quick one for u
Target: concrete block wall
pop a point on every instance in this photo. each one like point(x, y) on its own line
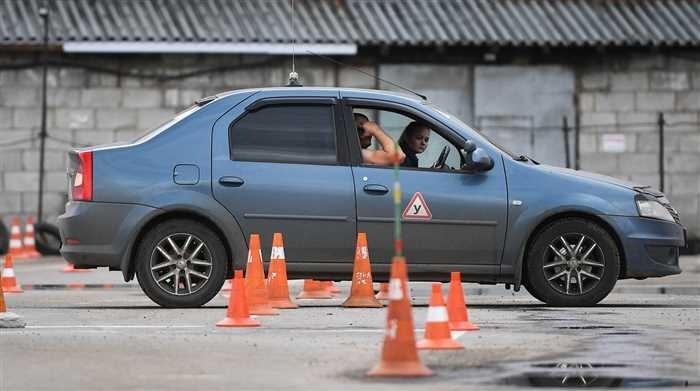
point(623, 96)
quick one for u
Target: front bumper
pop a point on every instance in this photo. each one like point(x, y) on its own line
point(650, 246)
point(99, 233)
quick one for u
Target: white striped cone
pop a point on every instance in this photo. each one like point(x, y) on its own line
point(437, 324)
point(8, 279)
point(15, 248)
point(29, 249)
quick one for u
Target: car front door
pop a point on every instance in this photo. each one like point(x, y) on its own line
point(281, 170)
point(451, 220)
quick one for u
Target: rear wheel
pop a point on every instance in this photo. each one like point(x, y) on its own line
point(181, 263)
point(572, 262)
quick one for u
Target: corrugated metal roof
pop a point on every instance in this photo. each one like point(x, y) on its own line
point(363, 22)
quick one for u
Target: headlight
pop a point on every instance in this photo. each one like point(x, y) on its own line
point(653, 209)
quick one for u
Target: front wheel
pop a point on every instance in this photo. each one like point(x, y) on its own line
point(572, 262)
point(181, 263)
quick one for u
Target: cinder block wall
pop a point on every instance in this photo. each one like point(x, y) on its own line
point(624, 95)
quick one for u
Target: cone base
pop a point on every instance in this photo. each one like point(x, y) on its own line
point(362, 302)
point(315, 295)
point(238, 322)
point(14, 289)
point(335, 289)
point(400, 369)
point(27, 255)
point(444, 343)
point(463, 326)
point(263, 310)
point(285, 304)
point(71, 269)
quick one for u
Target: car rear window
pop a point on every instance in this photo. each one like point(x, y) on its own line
point(285, 134)
point(167, 124)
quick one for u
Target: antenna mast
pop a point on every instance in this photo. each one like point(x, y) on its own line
point(293, 76)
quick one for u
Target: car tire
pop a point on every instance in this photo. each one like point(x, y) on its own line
point(4, 238)
point(154, 264)
point(572, 262)
point(47, 239)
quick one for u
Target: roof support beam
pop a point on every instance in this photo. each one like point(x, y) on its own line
point(347, 49)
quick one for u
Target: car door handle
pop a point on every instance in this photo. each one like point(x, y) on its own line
point(376, 189)
point(231, 181)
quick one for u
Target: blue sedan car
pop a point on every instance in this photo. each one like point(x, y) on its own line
point(176, 206)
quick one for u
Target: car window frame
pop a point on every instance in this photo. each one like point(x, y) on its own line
point(342, 151)
point(353, 142)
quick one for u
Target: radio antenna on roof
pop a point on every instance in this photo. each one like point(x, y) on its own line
point(369, 74)
point(293, 75)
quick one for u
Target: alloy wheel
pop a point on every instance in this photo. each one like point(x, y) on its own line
point(181, 264)
point(573, 264)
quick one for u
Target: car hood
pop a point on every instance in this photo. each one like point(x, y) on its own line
point(595, 177)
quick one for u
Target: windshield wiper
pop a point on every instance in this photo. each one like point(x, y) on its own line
point(525, 158)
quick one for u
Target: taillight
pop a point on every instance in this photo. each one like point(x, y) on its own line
point(82, 180)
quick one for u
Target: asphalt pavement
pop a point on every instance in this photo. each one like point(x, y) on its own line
point(92, 330)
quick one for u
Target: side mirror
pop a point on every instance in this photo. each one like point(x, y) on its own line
point(475, 158)
point(481, 160)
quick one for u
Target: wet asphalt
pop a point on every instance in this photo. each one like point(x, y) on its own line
point(109, 335)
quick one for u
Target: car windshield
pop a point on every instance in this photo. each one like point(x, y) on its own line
point(177, 118)
point(461, 123)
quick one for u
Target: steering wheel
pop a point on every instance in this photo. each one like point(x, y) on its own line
point(443, 157)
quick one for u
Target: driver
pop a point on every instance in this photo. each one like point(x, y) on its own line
point(384, 155)
point(414, 141)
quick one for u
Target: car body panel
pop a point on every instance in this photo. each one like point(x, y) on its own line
point(176, 171)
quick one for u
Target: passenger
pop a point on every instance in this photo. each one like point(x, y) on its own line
point(384, 155)
point(413, 141)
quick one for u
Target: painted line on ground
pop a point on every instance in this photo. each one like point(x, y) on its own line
point(75, 286)
point(104, 326)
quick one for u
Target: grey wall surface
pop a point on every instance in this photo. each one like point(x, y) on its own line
point(521, 107)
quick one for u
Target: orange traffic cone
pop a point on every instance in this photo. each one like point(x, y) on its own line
point(15, 248)
point(8, 280)
point(314, 290)
point(237, 314)
point(361, 292)
point(383, 293)
point(3, 307)
point(437, 325)
point(332, 288)
point(70, 268)
point(277, 284)
point(399, 354)
point(255, 287)
point(29, 245)
point(457, 307)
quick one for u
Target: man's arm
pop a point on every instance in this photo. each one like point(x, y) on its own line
point(388, 151)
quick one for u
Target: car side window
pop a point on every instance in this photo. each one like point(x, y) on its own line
point(285, 134)
point(422, 144)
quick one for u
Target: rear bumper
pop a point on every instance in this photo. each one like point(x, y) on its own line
point(99, 233)
point(650, 246)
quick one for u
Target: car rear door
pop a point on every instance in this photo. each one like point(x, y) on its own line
point(452, 220)
point(281, 170)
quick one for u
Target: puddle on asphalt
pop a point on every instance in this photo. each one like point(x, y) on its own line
point(578, 366)
point(580, 375)
point(585, 380)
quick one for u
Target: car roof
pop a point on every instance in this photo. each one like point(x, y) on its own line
point(309, 91)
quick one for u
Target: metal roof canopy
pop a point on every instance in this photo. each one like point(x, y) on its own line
point(208, 47)
point(401, 23)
